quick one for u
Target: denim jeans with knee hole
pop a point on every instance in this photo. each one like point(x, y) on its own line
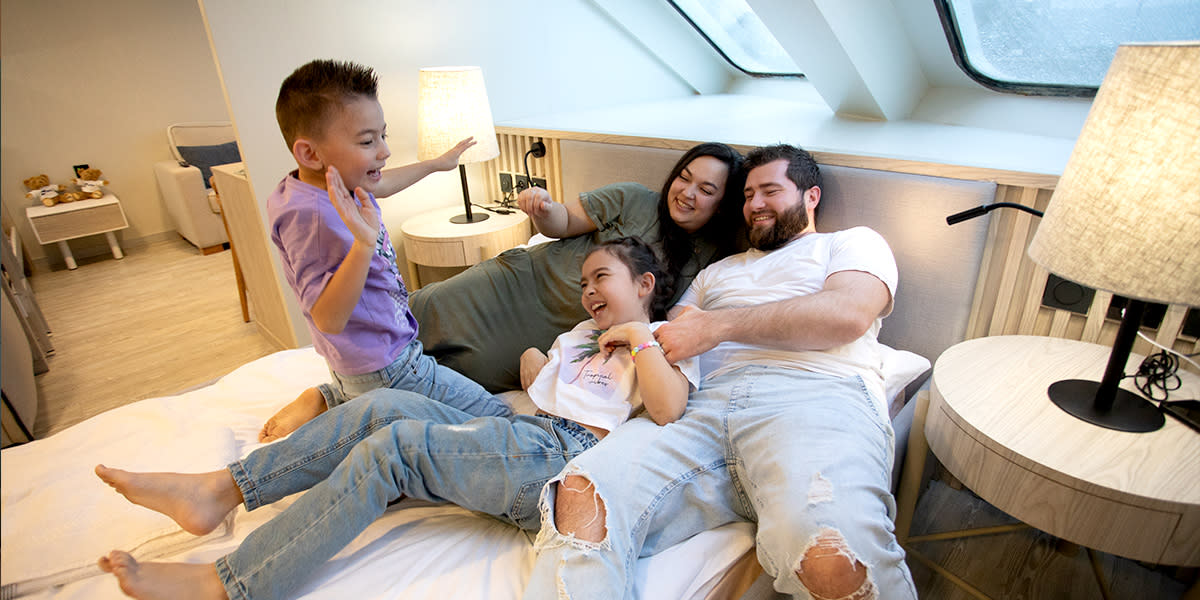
point(357, 458)
point(415, 372)
point(798, 453)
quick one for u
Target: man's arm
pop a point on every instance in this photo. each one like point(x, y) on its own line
point(399, 178)
point(837, 315)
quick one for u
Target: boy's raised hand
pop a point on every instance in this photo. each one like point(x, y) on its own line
point(449, 159)
point(356, 211)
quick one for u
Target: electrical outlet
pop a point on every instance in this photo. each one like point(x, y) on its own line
point(506, 182)
point(521, 182)
point(539, 182)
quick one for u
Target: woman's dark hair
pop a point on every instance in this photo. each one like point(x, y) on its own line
point(723, 229)
point(640, 258)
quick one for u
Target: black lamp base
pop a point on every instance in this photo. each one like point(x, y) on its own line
point(1129, 412)
point(474, 217)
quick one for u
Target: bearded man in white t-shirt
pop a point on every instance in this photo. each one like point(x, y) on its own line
point(788, 429)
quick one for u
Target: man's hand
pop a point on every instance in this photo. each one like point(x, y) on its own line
point(532, 361)
point(449, 160)
point(356, 211)
point(690, 333)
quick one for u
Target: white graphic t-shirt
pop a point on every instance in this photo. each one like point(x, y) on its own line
point(582, 384)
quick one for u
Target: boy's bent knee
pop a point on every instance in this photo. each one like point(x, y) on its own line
point(578, 509)
point(829, 571)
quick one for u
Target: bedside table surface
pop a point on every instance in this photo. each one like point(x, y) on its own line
point(436, 224)
point(991, 417)
point(64, 207)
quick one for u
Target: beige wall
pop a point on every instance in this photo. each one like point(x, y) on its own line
point(98, 83)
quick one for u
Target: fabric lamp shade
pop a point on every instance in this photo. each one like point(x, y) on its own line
point(452, 104)
point(1125, 215)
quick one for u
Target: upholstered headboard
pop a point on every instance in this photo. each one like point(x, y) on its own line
point(938, 264)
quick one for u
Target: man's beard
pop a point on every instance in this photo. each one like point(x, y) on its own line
point(787, 225)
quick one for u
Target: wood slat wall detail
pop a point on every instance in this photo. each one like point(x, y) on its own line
point(1008, 295)
point(1009, 291)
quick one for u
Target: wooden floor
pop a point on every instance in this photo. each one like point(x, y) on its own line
point(165, 318)
point(1025, 564)
point(160, 320)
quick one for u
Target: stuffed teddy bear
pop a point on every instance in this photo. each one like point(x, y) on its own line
point(41, 190)
point(90, 183)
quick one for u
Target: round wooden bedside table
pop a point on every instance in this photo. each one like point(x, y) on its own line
point(430, 239)
point(992, 425)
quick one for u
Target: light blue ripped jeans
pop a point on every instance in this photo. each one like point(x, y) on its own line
point(798, 453)
point(414, 371)
point(358, 457)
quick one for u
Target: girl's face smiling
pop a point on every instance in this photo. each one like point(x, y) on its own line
point(696, 192)
point(611, 293)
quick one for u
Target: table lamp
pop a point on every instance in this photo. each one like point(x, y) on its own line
point(1125, 216)
point(452, 105)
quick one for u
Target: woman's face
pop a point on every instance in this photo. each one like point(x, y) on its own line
point(696, 192)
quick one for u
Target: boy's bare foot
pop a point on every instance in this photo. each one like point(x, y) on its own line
point(170, 581)
point(303, 409)
point(198, 502)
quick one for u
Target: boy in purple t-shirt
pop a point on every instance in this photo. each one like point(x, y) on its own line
point(336, 254)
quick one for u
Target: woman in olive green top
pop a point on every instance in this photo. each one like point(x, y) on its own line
point(481, 320)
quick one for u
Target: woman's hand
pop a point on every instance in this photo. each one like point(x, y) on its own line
point(449, 159)
point(535, 202)
point(629, 335)
point(532, 361)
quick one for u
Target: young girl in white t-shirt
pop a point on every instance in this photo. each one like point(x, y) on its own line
point(593, 374)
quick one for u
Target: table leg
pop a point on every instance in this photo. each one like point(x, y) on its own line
point(67, 256)
point(414, 277)
point(113, 245)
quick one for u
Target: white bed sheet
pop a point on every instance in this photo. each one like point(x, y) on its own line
point(414, 551)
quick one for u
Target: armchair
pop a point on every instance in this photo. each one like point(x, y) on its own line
point(184, 181)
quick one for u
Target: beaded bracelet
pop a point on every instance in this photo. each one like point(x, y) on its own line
point(640, 347)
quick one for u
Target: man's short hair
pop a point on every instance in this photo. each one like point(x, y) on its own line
point(312, 92)
point(802, 169)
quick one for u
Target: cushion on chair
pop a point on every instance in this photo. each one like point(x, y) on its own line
point(206, 157)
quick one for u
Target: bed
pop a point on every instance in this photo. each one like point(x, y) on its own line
point(58, 517)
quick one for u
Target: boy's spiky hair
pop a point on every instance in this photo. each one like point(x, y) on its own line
point(313, 91)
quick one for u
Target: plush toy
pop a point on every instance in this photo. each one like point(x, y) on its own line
point(41, 190)
point(90, 183)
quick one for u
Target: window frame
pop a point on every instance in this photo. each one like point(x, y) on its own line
point(958, 50)
point(721, 52)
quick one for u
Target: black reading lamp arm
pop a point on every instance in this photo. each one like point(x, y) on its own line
point(971, 213)
point(538, 150)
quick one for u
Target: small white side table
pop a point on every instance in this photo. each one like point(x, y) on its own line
point(72, 220)
point(430, 239)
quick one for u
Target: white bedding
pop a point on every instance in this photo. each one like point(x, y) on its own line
point(58, 517)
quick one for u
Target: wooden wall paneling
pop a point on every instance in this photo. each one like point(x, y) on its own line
point(1171, 325)
point(554, 178)
point(512, 159)
point(1094, 326)
point(1017, 225)
point(987, 289)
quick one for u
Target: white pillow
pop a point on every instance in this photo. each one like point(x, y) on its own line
point(900, 368)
